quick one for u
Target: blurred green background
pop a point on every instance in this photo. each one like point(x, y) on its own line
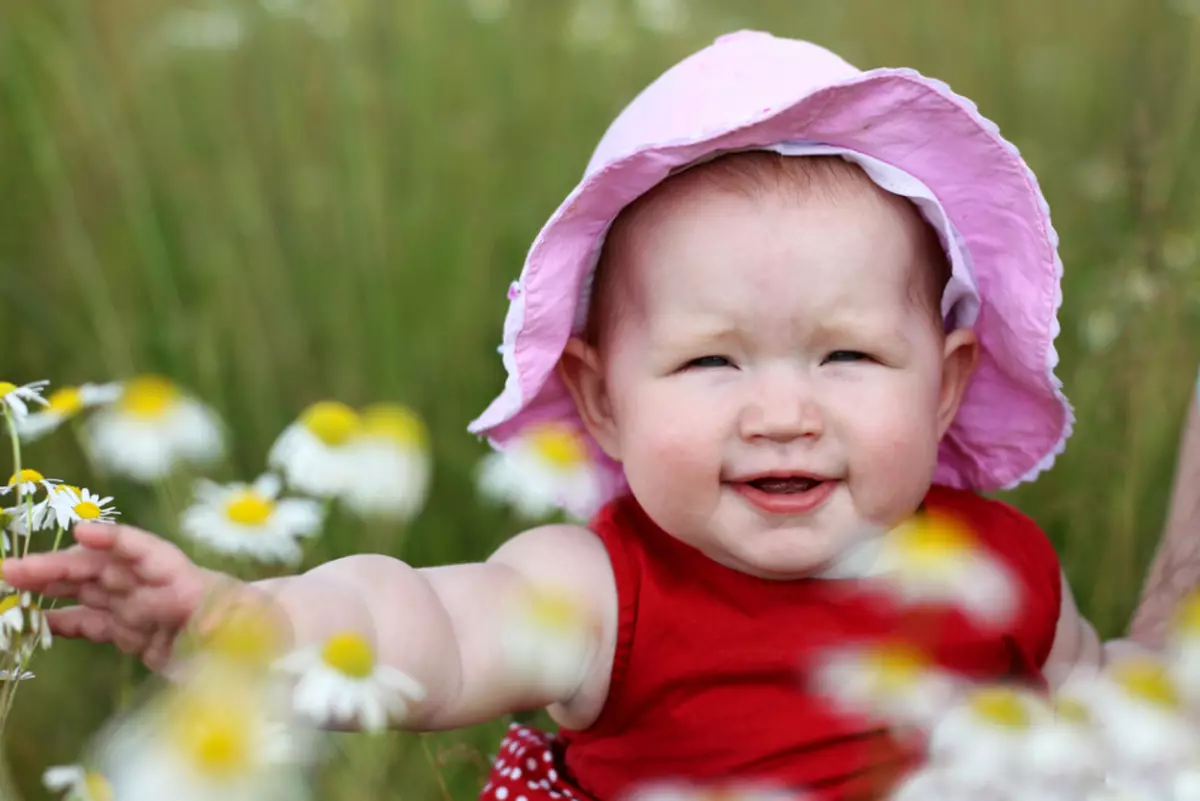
point(278, 201)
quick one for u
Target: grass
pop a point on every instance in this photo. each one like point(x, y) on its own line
point(336, 209)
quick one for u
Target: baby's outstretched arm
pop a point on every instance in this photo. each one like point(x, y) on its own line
point(442, 626)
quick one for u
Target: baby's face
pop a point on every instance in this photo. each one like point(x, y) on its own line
point(775, 383)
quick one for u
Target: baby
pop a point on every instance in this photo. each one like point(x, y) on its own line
point(790, 302)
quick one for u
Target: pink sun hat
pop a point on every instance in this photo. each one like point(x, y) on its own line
point(914, 137)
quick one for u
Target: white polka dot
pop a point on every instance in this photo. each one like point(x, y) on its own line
point(547, 756)
point(555, 795)
point(522, 798)
point(553, 774)
point(544, 784)
point(531, 763)
point(523, 732)
point(516, 773)
point(499, 763)
point(502, 793)
point(487, 787)
point(532, 785)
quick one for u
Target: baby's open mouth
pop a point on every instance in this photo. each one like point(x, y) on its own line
point(784, 485)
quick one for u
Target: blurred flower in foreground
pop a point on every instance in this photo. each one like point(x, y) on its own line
point(1139, 712)
point(984, 738)
point(1063, 751)
point(23, 627)
point(548, 637)
point(65, 403)
point(341, 681)
point(935, 559)
point(204, 740)
point(545, 469)
point(311, 452)
point(244, 634)
point(251, 520)
point(1183, 649)
point(389, 463)
point(15, 399)
point(77, 783)
point(891, 681)
point(152, 428)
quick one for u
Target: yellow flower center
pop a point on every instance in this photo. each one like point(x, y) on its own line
point(214, 734)
point(87, 510)
point(246, 637)
point(1148, 681)
point(559, 445)
point(401, 425)
point(249, 509)
point(897, 666)
point(1071, 710)
point(556, 611)
point(9, 602)
point(149, 396)
point(1187, 616)
point(331, 422)
point(1000, 706)
point(6, 387)
point(349, 654)
point(97, 787)
point(26, 476)
point(933, 540)
point(66, 401)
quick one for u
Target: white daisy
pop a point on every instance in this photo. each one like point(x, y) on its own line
point(152, 428)
point(1183, 649)
point(1065, 753)
point(204, 740)
point(63, 404)
point(891, 681)
point(927, 783)
point(28, 482)
point(1140, 712)
point(548, 638)
point(15, 400)
point(340, 681)
point(23, 624)
point(390, 457)
point(934, 558)
point(75, 783)
point(984, 738)
point(549, 467)
point(311, 452)
point(24, 675)
point(251, 520)
point(68, 505)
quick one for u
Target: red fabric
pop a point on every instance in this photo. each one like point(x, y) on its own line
point(707, 680)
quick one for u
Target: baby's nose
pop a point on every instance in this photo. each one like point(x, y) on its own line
point(782, 409)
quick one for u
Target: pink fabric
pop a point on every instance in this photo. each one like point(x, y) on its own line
point(752, 90)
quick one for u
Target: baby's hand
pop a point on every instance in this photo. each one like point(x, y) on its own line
point(134, 589)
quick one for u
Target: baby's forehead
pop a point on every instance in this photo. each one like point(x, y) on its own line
point(690, 205)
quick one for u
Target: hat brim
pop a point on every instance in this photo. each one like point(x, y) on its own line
point(1013, 419)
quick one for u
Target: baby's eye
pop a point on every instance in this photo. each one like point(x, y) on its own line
point(847, 356)
point(708, 361)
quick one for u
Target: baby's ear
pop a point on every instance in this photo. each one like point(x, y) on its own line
point(959, 357)
point(583, 372)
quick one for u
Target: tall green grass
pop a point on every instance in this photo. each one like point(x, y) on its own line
point(337, 210)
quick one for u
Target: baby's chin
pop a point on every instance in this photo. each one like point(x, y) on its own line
point(782, 555)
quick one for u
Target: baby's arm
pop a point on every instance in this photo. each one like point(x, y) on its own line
point(443, 625)
point(1077, 647)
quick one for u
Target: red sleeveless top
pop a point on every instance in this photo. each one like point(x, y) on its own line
point(707, 680)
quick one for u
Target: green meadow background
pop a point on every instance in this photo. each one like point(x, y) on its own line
point(281, 201)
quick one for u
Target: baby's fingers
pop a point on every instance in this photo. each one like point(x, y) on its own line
point(38, 571)
point(151, 558)
point(81, 622)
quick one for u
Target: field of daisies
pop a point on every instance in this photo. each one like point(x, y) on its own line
point(254, 259)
